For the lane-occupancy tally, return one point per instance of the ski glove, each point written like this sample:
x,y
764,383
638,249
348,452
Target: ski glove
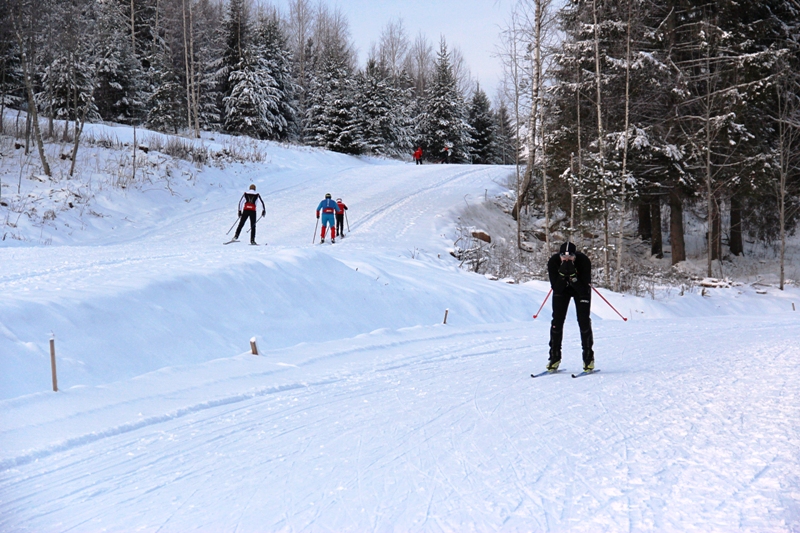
x,y
263,212
567,269
317,216
240,213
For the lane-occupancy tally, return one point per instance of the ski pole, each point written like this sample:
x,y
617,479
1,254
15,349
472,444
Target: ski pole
x,y
259,218
315,231
611,306
545,300
348,221
237,220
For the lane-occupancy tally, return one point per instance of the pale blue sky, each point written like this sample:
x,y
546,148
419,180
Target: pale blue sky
x,y
472,25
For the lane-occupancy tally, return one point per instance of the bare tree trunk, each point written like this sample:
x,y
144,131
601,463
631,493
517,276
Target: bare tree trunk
x,y
735,244
75,145
677,244
624,151
656,247
188,74
709,190
601,141
786,136
133,29
645,230
715,226
571,198
155,30
192,71
546,197
536,118
580,149
32,112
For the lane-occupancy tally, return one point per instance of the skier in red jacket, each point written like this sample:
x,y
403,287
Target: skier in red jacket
x,y
418,155
340,217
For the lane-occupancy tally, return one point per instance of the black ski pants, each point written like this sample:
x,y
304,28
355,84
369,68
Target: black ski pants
x,y
245,215
340,224
583,305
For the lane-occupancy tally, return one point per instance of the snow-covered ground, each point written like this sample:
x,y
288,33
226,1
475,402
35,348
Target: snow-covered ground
x,y
364,412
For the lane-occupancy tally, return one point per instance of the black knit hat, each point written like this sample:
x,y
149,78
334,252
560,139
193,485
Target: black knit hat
x,y
568,248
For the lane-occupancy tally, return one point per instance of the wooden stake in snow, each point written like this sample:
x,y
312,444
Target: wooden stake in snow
x,y
53,363
253,347
445,316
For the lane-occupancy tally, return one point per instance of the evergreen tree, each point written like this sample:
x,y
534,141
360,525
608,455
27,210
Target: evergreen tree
x,y
385,126
506,140
277,58
252,108
333,118
484,137
119,92
208,53
444,120
236,31
166,105
11,83
69,79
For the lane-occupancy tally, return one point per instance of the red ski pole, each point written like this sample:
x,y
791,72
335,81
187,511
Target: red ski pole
x,y
611,306
545,300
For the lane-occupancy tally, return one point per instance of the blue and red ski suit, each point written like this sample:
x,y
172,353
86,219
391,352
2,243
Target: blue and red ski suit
x,y
329,208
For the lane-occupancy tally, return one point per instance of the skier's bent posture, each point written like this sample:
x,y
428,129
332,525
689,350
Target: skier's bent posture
x,y
328,208
247,210
570,274
340,217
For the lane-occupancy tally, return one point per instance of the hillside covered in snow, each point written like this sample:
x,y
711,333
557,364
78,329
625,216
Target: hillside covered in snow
x,y
363,410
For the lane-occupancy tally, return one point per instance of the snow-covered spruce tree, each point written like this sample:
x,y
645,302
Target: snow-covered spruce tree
x,y
236,37
273,48
443,122
484,135
120,87
166,105
11,84
208,50
333,118
506,137
252,107
69,79
385,125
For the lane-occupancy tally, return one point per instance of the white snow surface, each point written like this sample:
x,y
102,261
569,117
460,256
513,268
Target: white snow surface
x,y
363,412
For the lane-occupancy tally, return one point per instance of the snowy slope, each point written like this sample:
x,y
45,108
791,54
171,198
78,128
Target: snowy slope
x,y
364,412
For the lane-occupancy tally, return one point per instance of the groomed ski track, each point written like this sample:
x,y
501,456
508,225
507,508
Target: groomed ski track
x,y
412,425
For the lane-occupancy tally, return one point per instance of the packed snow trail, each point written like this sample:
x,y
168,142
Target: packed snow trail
x,y
431,429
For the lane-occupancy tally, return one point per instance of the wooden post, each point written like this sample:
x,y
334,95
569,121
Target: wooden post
x,y
53,363
445,316
253,347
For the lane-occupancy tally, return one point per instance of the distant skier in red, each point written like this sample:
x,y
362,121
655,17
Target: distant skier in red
x,y
328,208
340,216
418,155
247,210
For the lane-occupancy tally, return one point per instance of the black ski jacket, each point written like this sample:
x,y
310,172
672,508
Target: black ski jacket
x,y
561,286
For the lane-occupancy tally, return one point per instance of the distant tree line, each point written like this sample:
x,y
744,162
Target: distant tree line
x,y
234,66
644,104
